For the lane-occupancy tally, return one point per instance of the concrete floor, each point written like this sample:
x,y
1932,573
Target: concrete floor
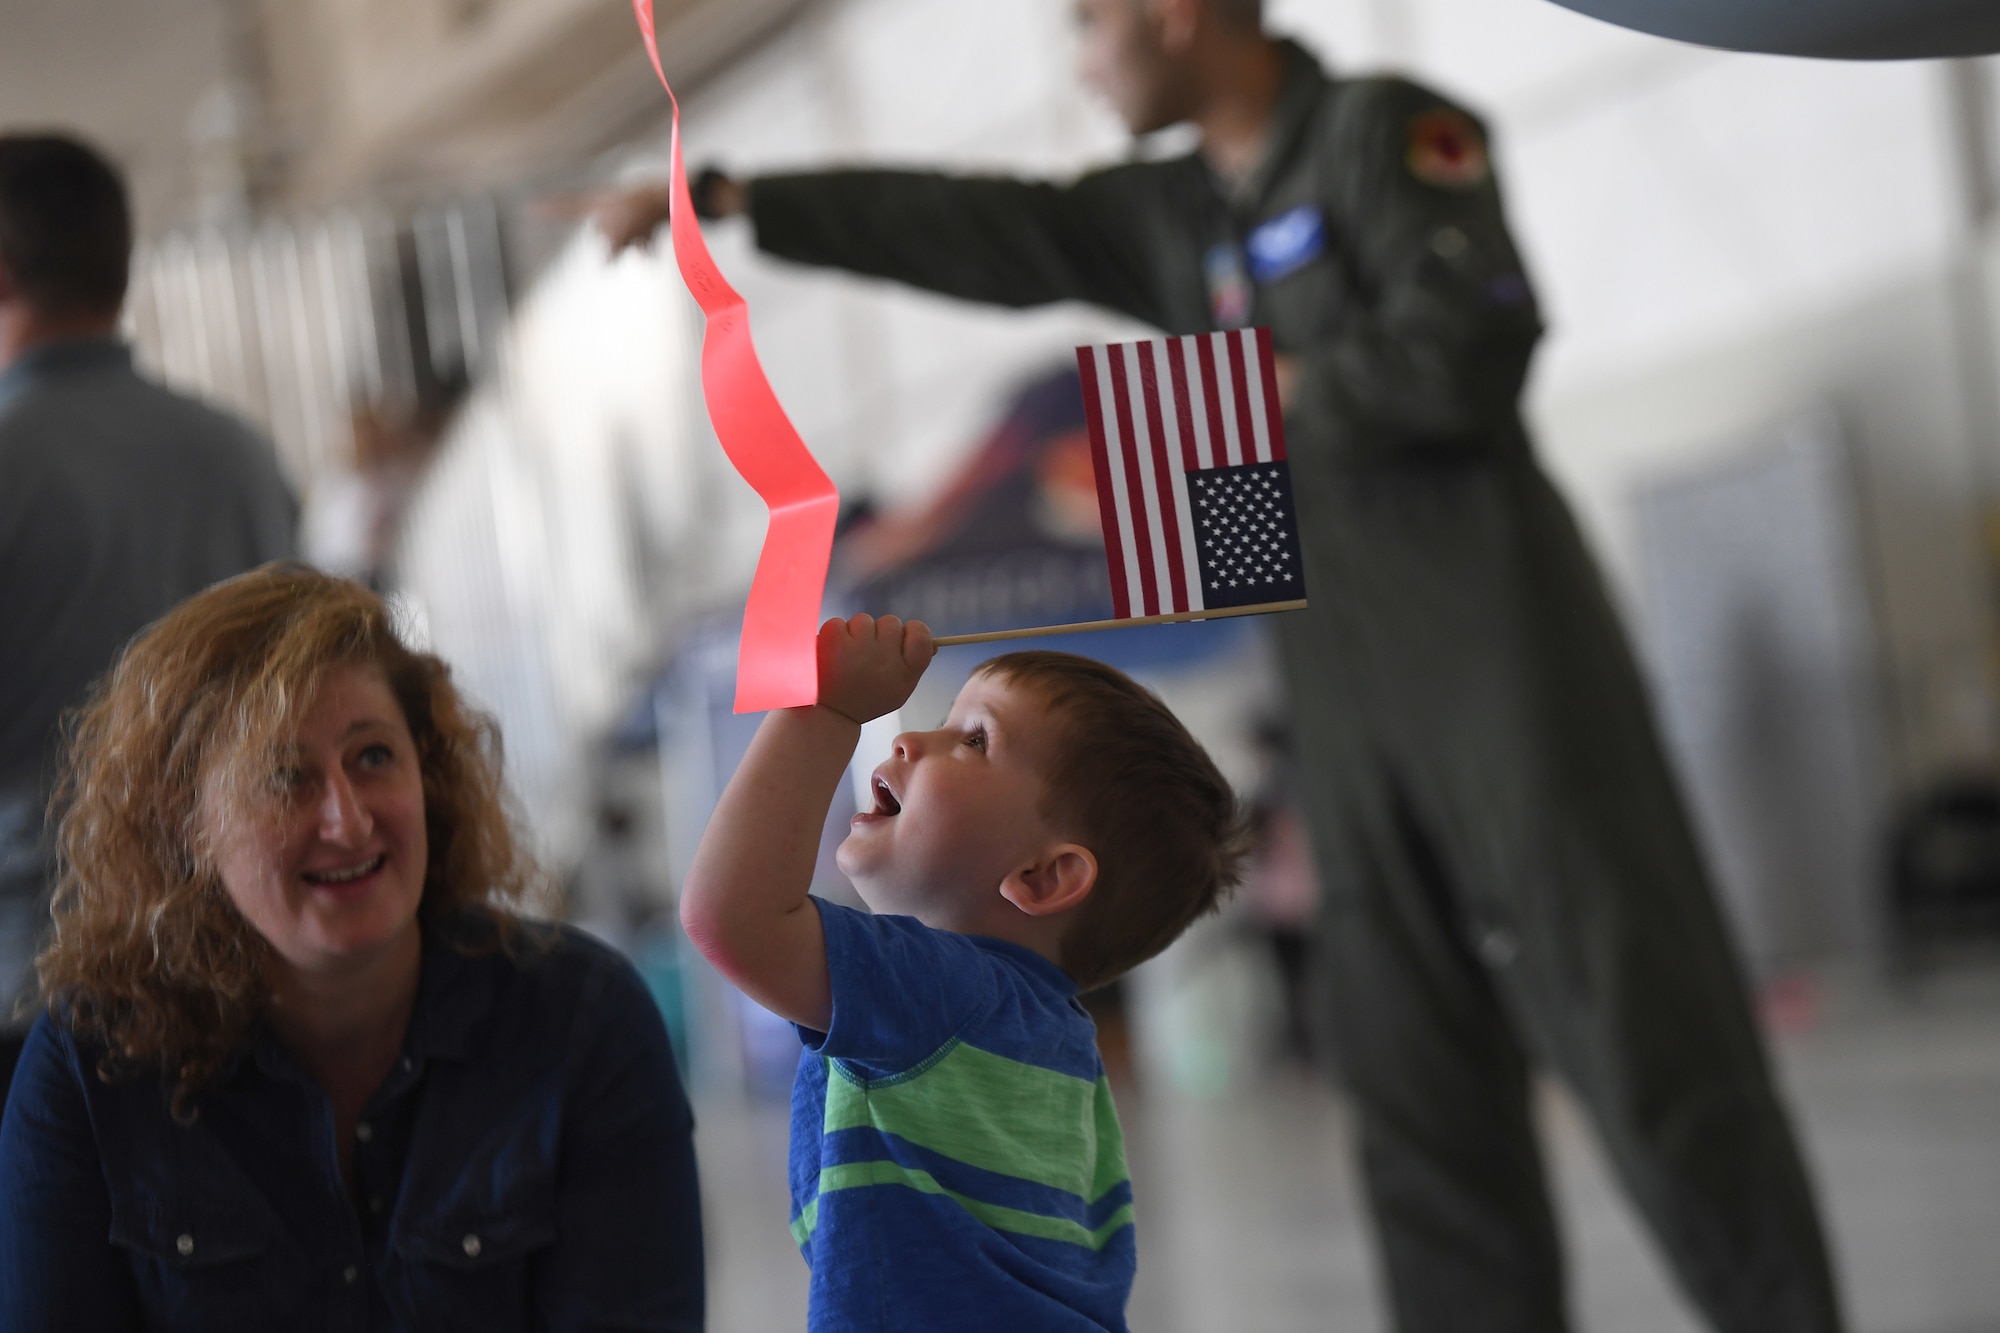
x,y
1250,1219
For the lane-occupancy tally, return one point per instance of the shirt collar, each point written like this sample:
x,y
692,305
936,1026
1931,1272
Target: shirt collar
x,y
1299,97
448,1019
1048,973
67,356
455,993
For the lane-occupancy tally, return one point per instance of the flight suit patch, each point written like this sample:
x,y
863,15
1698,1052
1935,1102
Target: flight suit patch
x,y
1287,243
1447,150
1228,286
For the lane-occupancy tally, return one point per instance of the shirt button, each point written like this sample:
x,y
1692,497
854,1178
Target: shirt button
x,y
374,1203
407,1065
1449,242
350,1275
472,1247
365,1132
185,1244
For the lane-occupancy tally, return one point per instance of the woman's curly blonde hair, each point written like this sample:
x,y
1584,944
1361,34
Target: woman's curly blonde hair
x,y
150,958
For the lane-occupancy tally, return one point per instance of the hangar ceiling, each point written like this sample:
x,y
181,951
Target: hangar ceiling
x,y
412,92
234,106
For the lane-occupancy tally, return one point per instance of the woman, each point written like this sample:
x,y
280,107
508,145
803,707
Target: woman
x,y
302,1066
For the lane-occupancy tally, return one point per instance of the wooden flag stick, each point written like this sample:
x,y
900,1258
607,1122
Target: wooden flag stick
x,y
995,636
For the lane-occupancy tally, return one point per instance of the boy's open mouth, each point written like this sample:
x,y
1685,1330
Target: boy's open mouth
x,y
885,800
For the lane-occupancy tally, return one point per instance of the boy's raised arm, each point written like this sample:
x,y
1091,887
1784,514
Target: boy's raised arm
x,y
745,904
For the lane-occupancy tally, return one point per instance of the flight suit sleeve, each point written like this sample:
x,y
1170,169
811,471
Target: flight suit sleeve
x,y
990,239
1436,347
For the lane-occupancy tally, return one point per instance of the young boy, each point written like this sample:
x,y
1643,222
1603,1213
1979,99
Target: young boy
x,y
956,1159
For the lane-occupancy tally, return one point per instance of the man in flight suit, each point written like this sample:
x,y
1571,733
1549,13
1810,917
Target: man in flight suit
x,y
1509,876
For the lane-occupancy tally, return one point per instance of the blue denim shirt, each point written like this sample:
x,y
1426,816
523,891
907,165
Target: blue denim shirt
x,y
528,1164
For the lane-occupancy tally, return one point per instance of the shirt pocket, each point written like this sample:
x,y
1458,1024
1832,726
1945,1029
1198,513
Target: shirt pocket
x,y
469,1268
199,1270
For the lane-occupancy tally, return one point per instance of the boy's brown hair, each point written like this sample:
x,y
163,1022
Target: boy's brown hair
x,y
1130,783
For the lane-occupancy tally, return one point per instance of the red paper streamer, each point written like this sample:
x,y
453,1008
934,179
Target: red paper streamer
x,y
775,662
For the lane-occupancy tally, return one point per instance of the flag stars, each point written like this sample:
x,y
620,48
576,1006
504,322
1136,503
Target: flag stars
x,y
1240,519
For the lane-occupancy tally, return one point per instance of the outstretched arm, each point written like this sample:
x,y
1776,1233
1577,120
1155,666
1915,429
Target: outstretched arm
x,y
746,902
992,239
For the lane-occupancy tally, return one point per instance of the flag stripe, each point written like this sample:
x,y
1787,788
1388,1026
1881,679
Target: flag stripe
x,y
1117,433
1253,383
1276,416
1211,398
1166,480
1110,485
1135,506
1197,400
1145,451
1223,407
1246,426
1176,352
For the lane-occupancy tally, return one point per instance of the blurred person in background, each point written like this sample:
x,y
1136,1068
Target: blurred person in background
x,y
117,497
355,516
302,1063
1508,875
1281,890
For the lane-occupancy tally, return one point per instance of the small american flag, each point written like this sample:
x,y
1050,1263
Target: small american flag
x,y
1192,483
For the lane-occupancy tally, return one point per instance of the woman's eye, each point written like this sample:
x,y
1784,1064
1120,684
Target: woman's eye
x,y
291,784
976,738
376,756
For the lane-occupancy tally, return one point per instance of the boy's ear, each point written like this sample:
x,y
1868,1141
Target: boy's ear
x,y
1061,879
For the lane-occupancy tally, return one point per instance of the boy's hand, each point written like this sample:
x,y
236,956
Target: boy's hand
x,y
868,667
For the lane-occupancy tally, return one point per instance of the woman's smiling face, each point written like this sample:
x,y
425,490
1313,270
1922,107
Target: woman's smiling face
x,y
332,871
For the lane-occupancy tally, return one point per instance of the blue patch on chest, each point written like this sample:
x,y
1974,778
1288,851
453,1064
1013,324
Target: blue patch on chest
x,y
1287,243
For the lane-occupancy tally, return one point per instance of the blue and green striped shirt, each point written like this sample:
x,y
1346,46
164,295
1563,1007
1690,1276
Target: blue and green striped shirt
x,y
956,1160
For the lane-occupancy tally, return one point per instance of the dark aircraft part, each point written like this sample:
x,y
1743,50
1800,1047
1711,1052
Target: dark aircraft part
x,y
1830,29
